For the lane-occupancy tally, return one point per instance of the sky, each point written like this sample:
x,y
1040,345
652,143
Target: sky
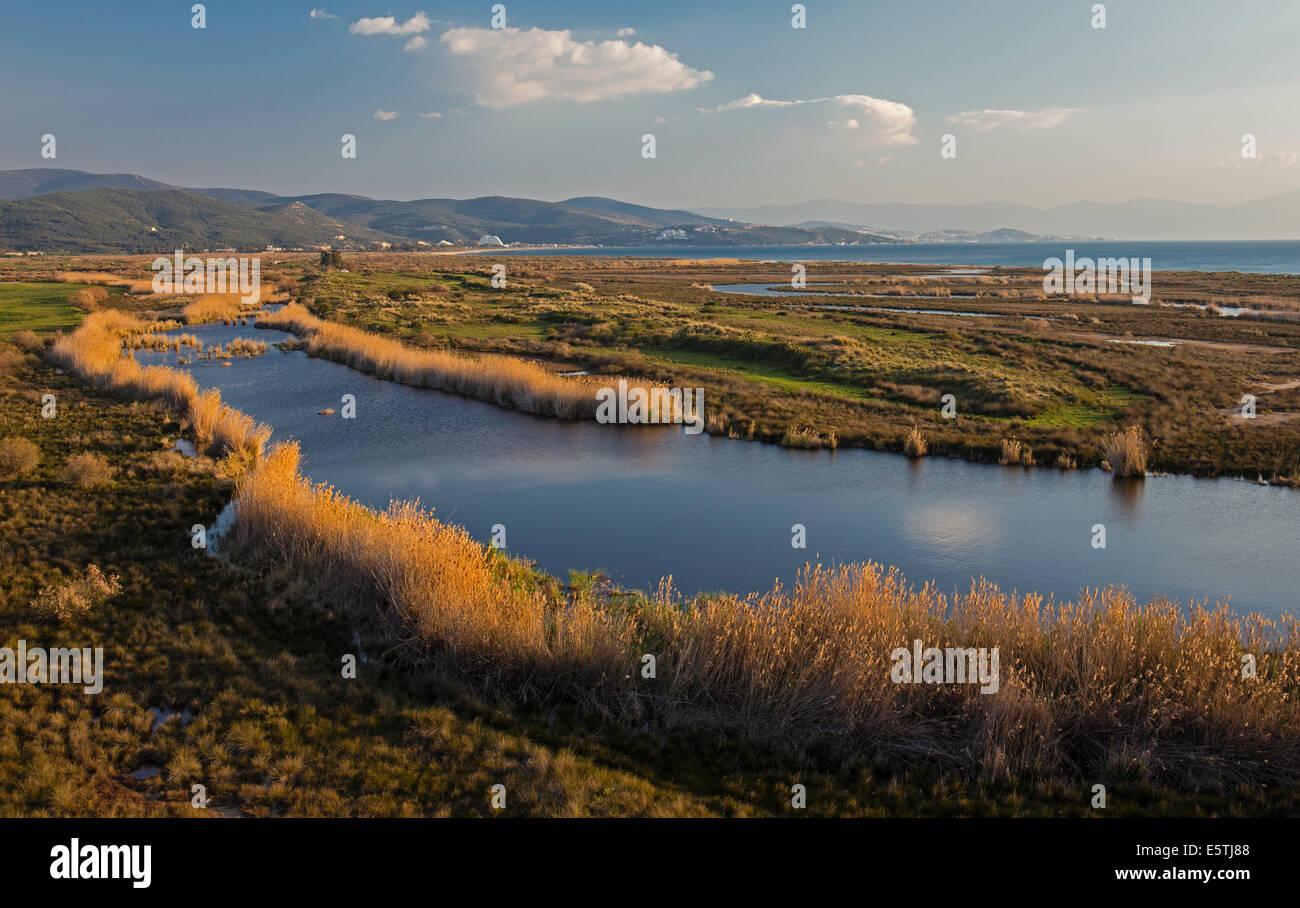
x,y
1043,107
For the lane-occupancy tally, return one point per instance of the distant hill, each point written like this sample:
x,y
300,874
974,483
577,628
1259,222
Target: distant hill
x,y
23,184
144,221
655,217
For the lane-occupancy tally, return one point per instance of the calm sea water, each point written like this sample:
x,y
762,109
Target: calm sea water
x,y
643,502
1252,257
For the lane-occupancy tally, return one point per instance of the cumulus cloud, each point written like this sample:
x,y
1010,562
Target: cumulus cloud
x,y
414,44
388,25
502,67
625,32
433,115
988,120
321,14
385,115
881,122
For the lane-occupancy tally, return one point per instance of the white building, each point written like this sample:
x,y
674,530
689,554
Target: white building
x,y
488,239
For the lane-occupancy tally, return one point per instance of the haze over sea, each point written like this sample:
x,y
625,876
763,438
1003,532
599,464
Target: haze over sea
x,y
1247,256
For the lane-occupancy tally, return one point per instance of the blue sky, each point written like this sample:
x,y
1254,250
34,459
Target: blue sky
x,y
1045,108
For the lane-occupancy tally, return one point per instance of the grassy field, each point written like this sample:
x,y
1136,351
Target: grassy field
x,y
37,306
251,651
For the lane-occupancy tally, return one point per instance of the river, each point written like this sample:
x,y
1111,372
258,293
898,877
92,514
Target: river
x,y
645,502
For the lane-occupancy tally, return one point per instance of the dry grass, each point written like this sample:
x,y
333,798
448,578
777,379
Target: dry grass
x,y
87,471
18,456
915,445
1082,685
503,380
240,346
218,307
1126,453
89,297
94,351
75,597
1015,451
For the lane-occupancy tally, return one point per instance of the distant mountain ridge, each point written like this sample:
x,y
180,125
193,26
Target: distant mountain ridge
x,y
56,209
129,213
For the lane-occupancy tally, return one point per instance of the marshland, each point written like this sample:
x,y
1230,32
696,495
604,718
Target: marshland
x,y
479,655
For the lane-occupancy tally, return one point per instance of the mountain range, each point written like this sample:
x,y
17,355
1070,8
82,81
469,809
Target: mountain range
x,y
71,210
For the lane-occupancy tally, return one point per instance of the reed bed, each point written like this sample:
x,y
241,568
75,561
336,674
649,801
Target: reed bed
x,y
502,380
227,308
1096,686
94,351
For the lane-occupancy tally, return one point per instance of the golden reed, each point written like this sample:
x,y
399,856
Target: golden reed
x,y
502,380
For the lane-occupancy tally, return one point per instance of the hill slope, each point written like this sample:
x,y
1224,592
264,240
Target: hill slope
x,y
143,221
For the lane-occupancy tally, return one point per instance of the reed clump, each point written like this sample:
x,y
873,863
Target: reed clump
x,y
1014,451
1126,453
915,444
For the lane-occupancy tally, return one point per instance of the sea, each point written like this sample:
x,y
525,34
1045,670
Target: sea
x,y
1244,256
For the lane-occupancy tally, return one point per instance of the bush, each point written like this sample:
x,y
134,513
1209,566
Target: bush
x,y
74,598
17,456
28,341
89,297
85,471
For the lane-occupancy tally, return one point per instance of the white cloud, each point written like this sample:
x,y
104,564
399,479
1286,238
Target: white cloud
x,y
388,25
434,115
625,32
321,14
987,120
414,44
506,66
749,101
886,122
385,115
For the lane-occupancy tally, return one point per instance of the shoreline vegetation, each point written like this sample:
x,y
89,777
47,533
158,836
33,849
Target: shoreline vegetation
x,y
503,380
1089,690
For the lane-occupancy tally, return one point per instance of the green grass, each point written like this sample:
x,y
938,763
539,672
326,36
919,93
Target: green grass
x,y
42,307
1100,409
761,373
